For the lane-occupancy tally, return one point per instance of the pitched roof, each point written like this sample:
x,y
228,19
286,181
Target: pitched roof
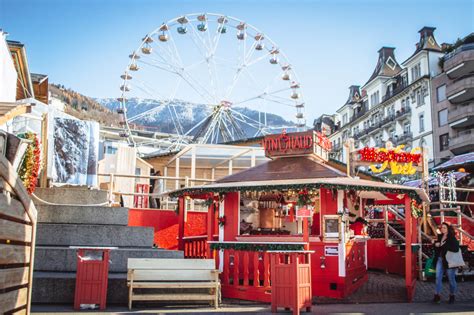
x,y
387,65
427,41
290,168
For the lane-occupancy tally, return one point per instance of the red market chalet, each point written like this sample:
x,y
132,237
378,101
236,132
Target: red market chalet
x,y
296,201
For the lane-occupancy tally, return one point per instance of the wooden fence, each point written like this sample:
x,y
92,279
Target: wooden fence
x,y
17,242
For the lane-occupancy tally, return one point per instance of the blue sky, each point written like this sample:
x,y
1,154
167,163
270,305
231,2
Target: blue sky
x,y
84,44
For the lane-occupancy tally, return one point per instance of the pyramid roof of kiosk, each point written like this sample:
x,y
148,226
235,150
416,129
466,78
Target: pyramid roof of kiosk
x,y
300,161
285,168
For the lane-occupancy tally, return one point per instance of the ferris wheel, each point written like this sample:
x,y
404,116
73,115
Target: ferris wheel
x,y
212,79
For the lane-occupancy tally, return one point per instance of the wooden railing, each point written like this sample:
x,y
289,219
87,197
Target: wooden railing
x,y
245,274
195,246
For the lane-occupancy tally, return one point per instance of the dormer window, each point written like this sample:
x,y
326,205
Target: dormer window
x,y
391,63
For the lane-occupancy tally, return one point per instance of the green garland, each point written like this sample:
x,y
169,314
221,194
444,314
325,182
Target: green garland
x,y
202,190
257,247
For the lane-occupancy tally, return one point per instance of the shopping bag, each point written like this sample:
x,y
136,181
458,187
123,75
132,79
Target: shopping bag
x,y
430,270
455,259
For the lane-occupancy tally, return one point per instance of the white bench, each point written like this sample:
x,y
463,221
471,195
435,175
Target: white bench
x,y
156,273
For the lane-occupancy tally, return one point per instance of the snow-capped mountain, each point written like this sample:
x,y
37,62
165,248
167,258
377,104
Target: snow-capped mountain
x,y
161,116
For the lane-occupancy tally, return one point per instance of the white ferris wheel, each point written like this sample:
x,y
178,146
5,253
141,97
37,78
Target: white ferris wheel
x,y
217,79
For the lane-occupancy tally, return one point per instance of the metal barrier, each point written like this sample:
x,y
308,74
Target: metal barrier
x,y
188,182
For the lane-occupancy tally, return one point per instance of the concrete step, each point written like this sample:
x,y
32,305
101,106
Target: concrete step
x,y
71,195
64,259
94,235
82,215
59,287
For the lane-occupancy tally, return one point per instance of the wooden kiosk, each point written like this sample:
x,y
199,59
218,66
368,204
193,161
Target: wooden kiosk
x,y
296,201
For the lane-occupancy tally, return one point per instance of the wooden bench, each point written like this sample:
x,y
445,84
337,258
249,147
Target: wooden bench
x,y
156,273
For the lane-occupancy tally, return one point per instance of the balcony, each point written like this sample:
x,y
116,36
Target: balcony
x,y
359,114
337,147
387,120
394,92
460,91
462,143
402,113
460,62
461,117
402,139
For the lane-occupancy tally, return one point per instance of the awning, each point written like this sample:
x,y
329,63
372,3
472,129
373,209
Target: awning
x,y
342,183
373,195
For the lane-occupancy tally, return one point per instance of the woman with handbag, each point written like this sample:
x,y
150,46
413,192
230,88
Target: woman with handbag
x,y
445,243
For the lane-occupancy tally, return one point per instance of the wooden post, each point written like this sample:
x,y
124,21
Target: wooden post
x,y
210,229
44,142
305,233
425,186
180,223
177,173
350,148
409,277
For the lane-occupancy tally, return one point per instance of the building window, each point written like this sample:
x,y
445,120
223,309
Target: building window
x,y
441,93
344,119
443,117
422,122
415,72
420,99
444,142
110,150
403,104
406,128
392,133
374,98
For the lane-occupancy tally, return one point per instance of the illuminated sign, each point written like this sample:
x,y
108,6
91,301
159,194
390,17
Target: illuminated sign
x,y
399,161
298,143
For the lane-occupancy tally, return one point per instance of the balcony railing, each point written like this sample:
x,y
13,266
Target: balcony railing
x,y
402,139
462,138
460,90
394,92
459,50
357,115
402,112
337,147
462,111
388,119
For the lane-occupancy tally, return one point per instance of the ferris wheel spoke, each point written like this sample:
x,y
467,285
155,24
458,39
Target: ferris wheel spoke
x,y
258,59
176,51
166,55
244,118
158,66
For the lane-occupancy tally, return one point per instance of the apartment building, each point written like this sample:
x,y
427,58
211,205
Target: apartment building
x,y
453,102
395,102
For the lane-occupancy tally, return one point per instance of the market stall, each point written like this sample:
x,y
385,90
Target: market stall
x,y
296,201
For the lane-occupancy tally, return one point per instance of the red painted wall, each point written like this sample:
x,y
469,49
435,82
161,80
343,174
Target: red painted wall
x,y
232,225
328,202
165,223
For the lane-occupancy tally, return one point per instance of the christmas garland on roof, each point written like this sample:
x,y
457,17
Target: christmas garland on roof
x,y
257,247
31,164
203,190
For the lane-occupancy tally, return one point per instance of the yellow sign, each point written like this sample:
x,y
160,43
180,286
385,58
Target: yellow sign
x,y
397,166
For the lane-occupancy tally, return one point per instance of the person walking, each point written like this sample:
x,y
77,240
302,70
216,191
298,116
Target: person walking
x,y
157,189
445,242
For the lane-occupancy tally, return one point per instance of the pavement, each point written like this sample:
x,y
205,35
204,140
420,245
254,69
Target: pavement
x,y
381,294
376,309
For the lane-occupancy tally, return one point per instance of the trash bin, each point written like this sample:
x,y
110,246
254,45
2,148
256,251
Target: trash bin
x,y
91,277
291,280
